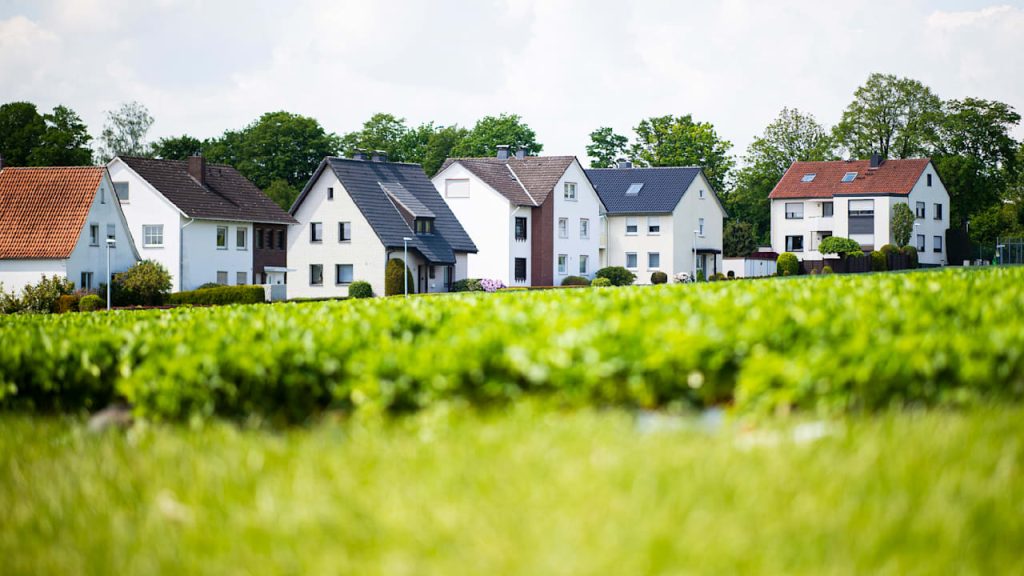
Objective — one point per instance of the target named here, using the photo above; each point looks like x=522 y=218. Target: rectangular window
x=240 y=278
x=330 y=193
x=111 y=232
x=344 y=231
x=570 y=191
x=938 y=211
x=937 y=244
x=653 y=225
x=520 y=269
x=432 y=272
x=121 y=189
x=241 y=238
x=222 y=239
x=316 y=232
x=631 y=260
x=316 y=274
x=103 y=195
x=794 y=210
x=520 y=228
x=584 y=263
x=700 y=227
x=631 y=226
x=563 y=264
x=152 y=235
x=563 y=227
x=584 y=228
x=920 y=242
x=919 y=210
x=929 y=179
x=653 y=260
x=343 y=273
x=861 y=216
x=222 y=277
x=424 y=225
x=280 y=239
x=794 y=243
x=94 y=234
x=456 y=188
x=447 y=278
x=849 y=177
x=827 y=209
x=700 y=194
x=86 y=281
x=258 y=233
x=809 y=177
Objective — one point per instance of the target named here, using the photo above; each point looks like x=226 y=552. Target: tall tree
x=902 y=224
x=381 y=132
x=679 y=141
x=493 y=131
x=738 y=239
x=606 y=147
x=278 y=146
x=440 y=146
x=21 y=129
x=65 y=142
x=177 y=147
x=895 y=117
x=124 y=132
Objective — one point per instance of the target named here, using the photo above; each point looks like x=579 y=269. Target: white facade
x=574 y=245
x=808 y=221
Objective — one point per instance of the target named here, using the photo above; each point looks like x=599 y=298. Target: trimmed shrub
x=147 y=283
x=66 y=303
x=814 y=272
x=854 y=254
x=788 y=264
x=887 y=249
x=360 y=289
x=659 y=277
x=718 y=276
x=90 y=303
x=826 y=270
x=394 y=284
x=618 y=275
x=210 y=285
x=838 y=245
x=601 y=282
x=731 y=274
x=700 y=276
x=575 y=281
x=911 y=252
x=220 y=295
x=467 y=285
x=42 y=297
x=878 y=261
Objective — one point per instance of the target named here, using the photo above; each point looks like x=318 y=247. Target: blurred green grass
x=525 y=491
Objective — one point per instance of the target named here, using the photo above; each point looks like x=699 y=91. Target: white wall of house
x=203 y=261
x=643 y=243
x=698 y=202
x=575 y=246
x=16 y=274
x=929 y=226
x=487 y=216
x=364 y=252
x=517 y=248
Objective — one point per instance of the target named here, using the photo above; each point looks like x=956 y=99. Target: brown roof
x=226 y=195
x=537 y=174
x=42 y=210
x=892 y=177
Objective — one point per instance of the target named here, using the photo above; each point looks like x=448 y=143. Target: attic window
x=849 y=176
x=634 y=189
x=808 y=177
x=424 y=225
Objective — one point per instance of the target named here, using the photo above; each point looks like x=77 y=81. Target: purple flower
x=491 y=285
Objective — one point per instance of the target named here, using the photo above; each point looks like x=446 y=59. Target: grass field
x=522 y=491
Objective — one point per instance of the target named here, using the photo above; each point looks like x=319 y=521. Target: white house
x=354 y=215
x=534 y=219
x=206 y=223
x=56 y=221
x=854 y=199
x=660 y=220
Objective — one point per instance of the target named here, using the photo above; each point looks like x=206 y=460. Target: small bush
x=887 y=249
x=220 y=295
x=826 y=270
x=878 y=261
x=814 y=272
x=718 y=276
x=360 y=289
x=394 y=284
x=911 y=252
x=488 y=285
x=700 y=276
x=467 y=285
x=838 y=245
x=210 y=285
x=90 y=303
x=575 y=281
x=42 y=297
x=9 y=301
x=618 y=275
x=601 y=282
x=854 y=254
x=147 y=283
x=788 y=262
x=66 y=303
x=731 y=274
x=659 y=277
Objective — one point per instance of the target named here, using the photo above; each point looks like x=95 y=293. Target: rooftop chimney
x=358 y=154
x=622 y=163
x=876 y=160
x=380 y=156
x=197 y=168
x=503 y=152
x=521 y=153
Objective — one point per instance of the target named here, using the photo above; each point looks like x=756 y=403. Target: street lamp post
x=405 y=265
x=111 y=244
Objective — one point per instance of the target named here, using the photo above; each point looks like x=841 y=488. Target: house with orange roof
x=57 y=221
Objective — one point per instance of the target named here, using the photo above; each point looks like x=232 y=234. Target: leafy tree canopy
x=65 y=142
x=680 y=141
x=124 y=132
x=177 y=147
x=738 y=239
x=492 y=131
x=21 y=129
x=902 y=222
x=606 y=147
x=838 y=245
x=895 y=117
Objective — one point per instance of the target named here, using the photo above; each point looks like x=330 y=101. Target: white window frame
x=636 y=262
x=921 y=242
x=570 y=191
x=584 y=228
x=111 y=232
x=220 y=230
x=848 y=177
x=937 y=244
x=563 y=264
x=344 y=227
x=337 y=274
x=222 y=274
x=311 y=283
x=654 y=255
x=447 y=187
x=242 y=233
x=128 y=195
x=700 y=193
x=94 y=234
x=794 y=210
x=631 y=221
x=920 y=210
x=789 y=246
x=330 y=193
x=653 y=226
x=584 y=264
x=313 y=228
x=563 y=227
x=152 y=235
x=86 y=285
x=700 y=227
x=241 y=278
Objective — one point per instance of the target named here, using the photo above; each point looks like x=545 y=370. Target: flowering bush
x=491 y=285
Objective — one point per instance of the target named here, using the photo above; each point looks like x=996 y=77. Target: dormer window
x=849 y=177
x=808 y=177
x=424 y=225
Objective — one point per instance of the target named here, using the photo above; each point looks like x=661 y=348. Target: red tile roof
x=892 y=177
x=42 y=210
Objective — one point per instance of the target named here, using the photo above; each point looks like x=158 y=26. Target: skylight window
x=808 y=177
x=634 y=189
x=849 y=176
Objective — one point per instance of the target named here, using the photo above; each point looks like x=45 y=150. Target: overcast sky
x=566 y=66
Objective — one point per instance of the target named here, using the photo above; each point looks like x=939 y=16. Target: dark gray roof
x=406 y=199
x=662 y=188
x=226 y=195
x=370 y=185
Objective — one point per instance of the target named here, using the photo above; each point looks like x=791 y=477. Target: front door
x=421 y=284
x=702 y=264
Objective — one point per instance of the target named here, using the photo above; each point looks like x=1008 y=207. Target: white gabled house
x=854 y=199
x=534 y=219
x=354 y=215
x=206 y=223
x=56 y=221
x=660 y=220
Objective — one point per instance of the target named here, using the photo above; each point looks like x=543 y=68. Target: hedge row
x=220 y=295
x=826 y=343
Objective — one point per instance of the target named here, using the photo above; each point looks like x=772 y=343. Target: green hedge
x=220 y=295
x=949 y=337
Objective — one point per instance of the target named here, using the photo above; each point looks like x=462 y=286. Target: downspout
x=181 y=254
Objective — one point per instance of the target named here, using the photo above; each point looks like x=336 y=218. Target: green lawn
x=528 y=491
